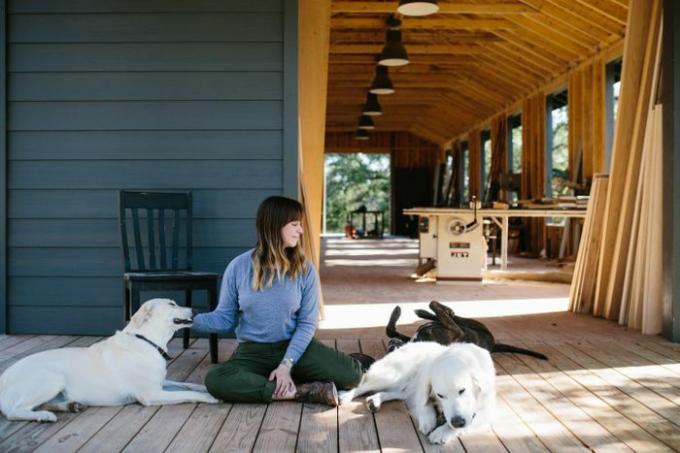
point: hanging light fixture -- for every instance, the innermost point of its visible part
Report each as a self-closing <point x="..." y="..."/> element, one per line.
<point x="394" y="52"/>
<point x="417" y="7"/>
<point x="366" y="122"/>
<point x="361" y="134"/>
<point x="372" y="106"/>
<point x="381" y="82"/>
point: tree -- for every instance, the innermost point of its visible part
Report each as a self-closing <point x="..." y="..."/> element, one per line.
<point x="353" y="180"/>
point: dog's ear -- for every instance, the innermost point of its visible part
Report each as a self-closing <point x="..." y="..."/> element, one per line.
<point x="141" y="316"/>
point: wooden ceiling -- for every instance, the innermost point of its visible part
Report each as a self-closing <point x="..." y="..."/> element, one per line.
<point x="472" y="59"/>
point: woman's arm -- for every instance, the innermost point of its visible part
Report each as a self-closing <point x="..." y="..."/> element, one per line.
<point x="308" y="315"/>
<point x="225" y="316"/>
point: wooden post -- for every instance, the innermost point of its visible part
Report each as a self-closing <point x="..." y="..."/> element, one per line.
<point x="671" y="171"/>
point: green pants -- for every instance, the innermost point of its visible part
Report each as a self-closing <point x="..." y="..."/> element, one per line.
<point x="244" y="377"/>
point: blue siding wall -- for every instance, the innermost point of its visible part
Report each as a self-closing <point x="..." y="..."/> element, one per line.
<point x="146" y="94"/>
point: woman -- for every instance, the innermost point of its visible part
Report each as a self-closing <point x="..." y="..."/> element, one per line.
<point x="271" y="295"/>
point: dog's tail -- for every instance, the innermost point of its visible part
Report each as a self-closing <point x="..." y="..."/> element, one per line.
<point x="391" y="328"/>
<point x="500" y="347"/>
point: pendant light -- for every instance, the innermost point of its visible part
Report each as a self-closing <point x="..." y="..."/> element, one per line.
<point x="381" y="82"/>
<point x="372" y="106"/>
<point x="366" y="122"/>
<point x="361" y="134"/>
<point x="394" y="52"/>
<point x="417" y="7"/>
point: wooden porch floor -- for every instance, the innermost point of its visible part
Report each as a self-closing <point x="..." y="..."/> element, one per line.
<point x="605" y="388"/>
<point x="597" y="392"/>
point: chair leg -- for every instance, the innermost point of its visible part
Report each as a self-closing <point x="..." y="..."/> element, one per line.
<point x="187" y="332"/>
<point x="134" y="300"/>
<point x="126" y="301"/>
<point x="212" y="339"/>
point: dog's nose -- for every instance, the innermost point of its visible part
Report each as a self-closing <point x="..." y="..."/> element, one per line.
<point x="458" y="421"/>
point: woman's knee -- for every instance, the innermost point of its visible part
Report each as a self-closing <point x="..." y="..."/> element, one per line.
<point x="220" y="379"/>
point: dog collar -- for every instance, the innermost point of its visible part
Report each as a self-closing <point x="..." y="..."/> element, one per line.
<point x="160" y="350"/>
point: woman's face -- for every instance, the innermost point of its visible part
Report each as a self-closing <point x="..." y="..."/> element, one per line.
<point x="291" y="233"/>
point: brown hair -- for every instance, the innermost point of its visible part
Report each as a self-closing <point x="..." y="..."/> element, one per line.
<point x="271" y="258"/>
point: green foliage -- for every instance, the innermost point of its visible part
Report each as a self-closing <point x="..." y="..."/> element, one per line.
<point x="353" y="180"/>
<point x="560" y="152"/>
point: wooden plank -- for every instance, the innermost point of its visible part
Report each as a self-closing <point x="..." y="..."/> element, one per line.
<point x="149" y="6"/>
<point x="600" y="382"/>
<point x="104" y="233"/>
<point x="145" y="115"/>
<point x="421" y="23"/>
<point x="10" y="340"/>
<point x="201" y="428"/>
<point x="101" y="203"/>
<point x="147" y="27"/>
<point x="279" y="427"/>
<point x="413" y="49"/>
<point x="488" y="7"/>
<point x="621" y="427"/>
<point x="145" y="86"/>
<point x="240" y="429"/>
<point x="145" y="57"/>
<point x="515" y="435"/>
<point x="574" y="417"/>
<point x="357" y="430"/>
<point x="549" y="430"/>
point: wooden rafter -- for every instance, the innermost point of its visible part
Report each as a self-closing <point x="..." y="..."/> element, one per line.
<point x="494" y="8"/>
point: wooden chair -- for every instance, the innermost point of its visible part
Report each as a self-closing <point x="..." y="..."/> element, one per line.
<point x="158" y="257"/>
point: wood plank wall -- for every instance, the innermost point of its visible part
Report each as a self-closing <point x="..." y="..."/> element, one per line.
<point x="164" y="95"/>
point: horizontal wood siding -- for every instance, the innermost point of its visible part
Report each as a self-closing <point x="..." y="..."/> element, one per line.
<point x="149" y="95"/>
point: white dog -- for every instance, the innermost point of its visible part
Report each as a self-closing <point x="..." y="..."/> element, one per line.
<point x="459" y="380"/>
<point x="127" y="367"/>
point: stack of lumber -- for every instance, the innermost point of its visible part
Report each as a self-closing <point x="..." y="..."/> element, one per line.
<point x="585" y="271"/>
<point x="627" y="260"/>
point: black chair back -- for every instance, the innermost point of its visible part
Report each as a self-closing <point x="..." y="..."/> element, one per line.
<point x="161" y="226"/>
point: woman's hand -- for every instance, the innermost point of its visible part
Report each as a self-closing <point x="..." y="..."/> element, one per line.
<point x="285" y="387"/>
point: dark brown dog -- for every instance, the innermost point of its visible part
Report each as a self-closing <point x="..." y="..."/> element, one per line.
<point x="445" y="328"/>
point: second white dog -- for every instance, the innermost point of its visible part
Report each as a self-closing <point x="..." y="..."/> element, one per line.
<point x="127" y="367"/>
<point x="458" y="379"/>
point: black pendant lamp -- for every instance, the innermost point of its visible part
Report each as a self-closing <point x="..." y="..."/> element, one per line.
<point x="366" y="122"/>
<point x="381" y="82"/>
<point x="361" y="134"/>
<point x="394" y="52"/>
<point x="417" y="7"/>
<point x="372" y="106"/>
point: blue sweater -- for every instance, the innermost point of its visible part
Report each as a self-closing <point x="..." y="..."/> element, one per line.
<point x="288" y="310"/>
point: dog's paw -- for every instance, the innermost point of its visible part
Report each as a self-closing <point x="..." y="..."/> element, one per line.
<point x="442" y="435"/>
<point x="345" y="396"/>
<point x="427" y="420"/>
<point x="373" y="403"/>
<point x="45" y="416"/>
<point x="76" y="407"/>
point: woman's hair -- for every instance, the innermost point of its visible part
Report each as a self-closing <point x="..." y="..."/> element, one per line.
<point x="271" y="258"/>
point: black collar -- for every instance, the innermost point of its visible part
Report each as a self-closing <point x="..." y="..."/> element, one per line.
<point x="160" y="350"/>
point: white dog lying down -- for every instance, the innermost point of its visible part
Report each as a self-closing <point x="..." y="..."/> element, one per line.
<point x="458" y="379"/>
<point x="124" y="368"/>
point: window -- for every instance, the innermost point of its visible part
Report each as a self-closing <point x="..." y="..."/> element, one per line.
<point x="557" y="151"/>
<point x="612" y="89"/>
<point x="485" y="162"/>
<point x="515" y="143"/>
<point x="514" y="163"/>
<point x="465" y="172"/>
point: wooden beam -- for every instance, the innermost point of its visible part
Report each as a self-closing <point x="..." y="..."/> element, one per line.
<point x="422" y="59"/>
<point x="545" y="35"/>
<point x="424" y="38"/>
<point x="568" y="18"/>
<point x="414" y="49"/>
<point x="373" y="7"/>
<point x="422" y="23"/>
<point x="590" y="15"/>
<point x="610" y="10"/>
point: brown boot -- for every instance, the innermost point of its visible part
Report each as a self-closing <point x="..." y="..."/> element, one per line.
<point x="317" y="392"/>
